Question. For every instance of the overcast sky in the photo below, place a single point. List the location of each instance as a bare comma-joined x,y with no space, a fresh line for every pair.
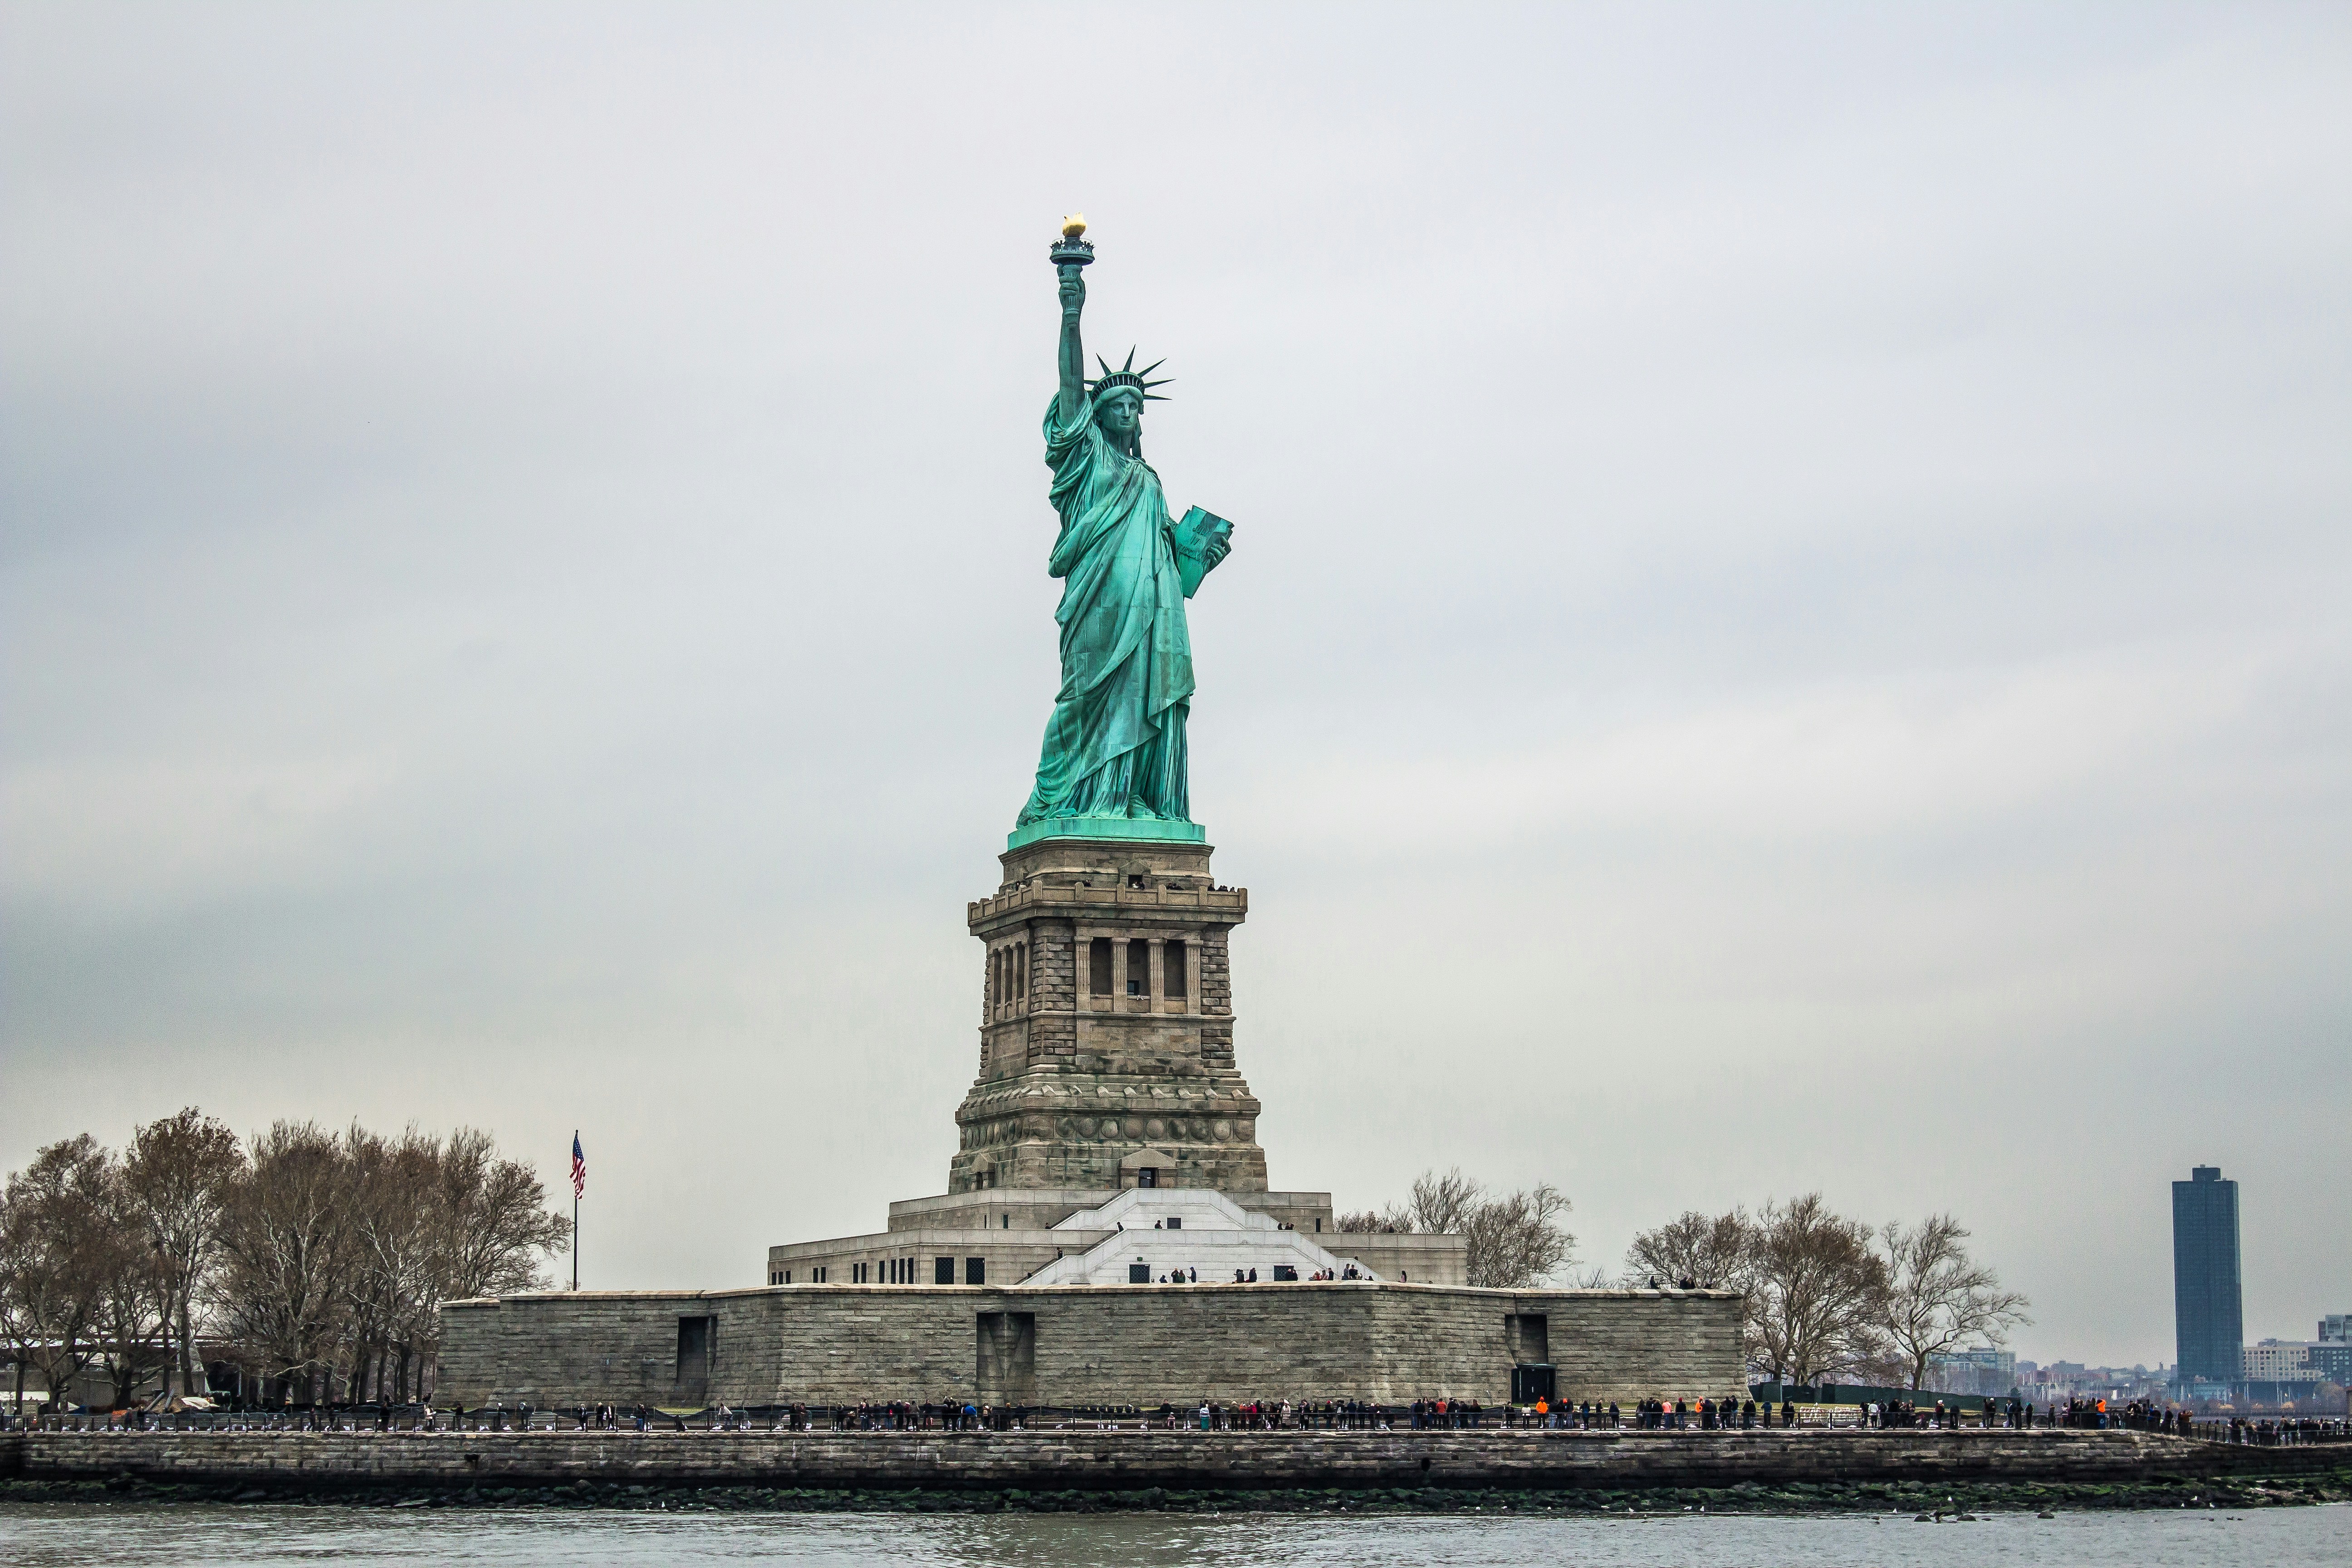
1788,625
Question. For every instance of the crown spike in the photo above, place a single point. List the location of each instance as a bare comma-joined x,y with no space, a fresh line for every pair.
1104,362
1130,363
1155,364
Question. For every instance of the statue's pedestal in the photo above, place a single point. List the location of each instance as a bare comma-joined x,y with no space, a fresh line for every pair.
1107,1025
1106,1068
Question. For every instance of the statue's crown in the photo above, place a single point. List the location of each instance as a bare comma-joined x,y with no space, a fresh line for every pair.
1127,375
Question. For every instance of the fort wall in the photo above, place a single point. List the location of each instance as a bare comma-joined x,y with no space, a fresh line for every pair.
1077,1345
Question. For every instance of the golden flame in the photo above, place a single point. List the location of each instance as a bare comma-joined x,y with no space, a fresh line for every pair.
1074,225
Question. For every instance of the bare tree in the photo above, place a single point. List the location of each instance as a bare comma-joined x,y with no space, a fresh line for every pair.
287,1254
1816,1290
1936,1298
497,1226
1439,1206
437,1221
53,1262
136,1313
1515,1238
392,1182
180,1171
17,1265
1714,1252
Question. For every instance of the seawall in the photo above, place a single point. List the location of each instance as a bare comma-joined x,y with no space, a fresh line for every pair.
1129,1461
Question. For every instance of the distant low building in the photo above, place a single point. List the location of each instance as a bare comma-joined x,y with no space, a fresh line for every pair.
1979,1369
2277,1360
2294,1372
2064,1380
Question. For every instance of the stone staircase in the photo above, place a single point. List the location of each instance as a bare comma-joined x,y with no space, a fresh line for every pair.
1197,1229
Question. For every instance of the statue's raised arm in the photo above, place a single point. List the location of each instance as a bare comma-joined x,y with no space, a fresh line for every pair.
1072,395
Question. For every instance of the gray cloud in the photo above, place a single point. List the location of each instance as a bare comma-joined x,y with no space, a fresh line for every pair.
1787,627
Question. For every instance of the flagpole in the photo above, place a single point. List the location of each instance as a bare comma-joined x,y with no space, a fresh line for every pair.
576,1215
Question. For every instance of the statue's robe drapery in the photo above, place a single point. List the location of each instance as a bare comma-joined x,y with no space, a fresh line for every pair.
1115,745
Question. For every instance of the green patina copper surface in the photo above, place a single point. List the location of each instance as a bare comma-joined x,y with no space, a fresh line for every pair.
1113,763
1151,827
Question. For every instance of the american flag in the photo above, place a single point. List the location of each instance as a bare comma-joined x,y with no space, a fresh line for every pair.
579,1167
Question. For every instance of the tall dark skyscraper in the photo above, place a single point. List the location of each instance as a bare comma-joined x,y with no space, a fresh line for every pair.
2208,1305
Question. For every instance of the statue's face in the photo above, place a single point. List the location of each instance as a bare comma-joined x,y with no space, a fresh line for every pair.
1122,415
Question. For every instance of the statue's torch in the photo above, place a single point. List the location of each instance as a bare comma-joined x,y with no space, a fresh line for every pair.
1072,251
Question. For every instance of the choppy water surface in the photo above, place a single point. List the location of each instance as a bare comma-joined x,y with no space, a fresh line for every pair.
36,1535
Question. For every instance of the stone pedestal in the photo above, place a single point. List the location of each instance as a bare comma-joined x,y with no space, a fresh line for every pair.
1107,1025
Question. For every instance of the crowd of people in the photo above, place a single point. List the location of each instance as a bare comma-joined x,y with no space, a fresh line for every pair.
2147,1415
2279,1433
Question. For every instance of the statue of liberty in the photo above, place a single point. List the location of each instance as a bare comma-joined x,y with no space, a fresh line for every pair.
1115,745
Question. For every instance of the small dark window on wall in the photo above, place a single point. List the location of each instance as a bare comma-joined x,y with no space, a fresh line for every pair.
1020,971
975,1270
1138,1274
1172,978
693,1348
1139,968
1099,966
942,1270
